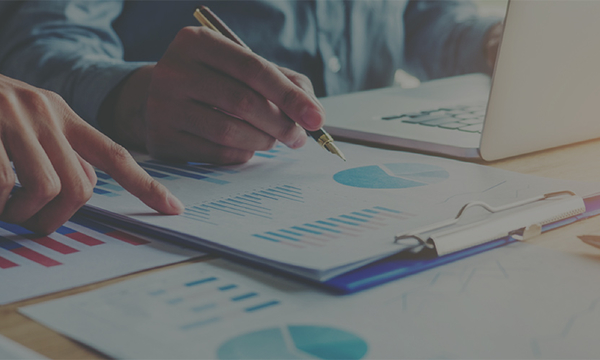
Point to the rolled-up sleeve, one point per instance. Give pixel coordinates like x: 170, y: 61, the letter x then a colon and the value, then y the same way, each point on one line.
x: 68, y: 47
x: 445, y: 38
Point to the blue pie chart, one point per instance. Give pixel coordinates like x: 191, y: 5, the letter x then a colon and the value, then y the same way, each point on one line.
x: 295, y: 342
x: 391, y: 176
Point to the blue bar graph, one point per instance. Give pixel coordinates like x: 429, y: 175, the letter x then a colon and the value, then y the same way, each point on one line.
x: 269, y: 156
x: 207, y: 300
x: 201, y: 281
x: 254, y: 204
x: 197, y: 169
x: 176, y: 170
x: 320, y: 232
x: 102, y: 175
x: 209, y: 173
x: 261, y: 306
x: 244, y: 296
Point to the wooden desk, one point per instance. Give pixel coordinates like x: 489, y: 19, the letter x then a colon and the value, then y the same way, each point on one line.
x: 574, y: 162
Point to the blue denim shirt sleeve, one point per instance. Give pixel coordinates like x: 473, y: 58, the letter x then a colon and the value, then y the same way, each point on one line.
x: 68, y: 47
x: 73, y: 47
x: 445, y: 38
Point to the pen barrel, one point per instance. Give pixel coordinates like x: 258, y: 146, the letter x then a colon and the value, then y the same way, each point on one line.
x: 324, y: 140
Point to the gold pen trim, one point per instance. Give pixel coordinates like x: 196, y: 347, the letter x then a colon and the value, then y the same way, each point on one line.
x: 204, y: 21
x: 326, y: 142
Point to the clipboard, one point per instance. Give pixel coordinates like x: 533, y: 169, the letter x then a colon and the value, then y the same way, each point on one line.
x: 404, y: 264
x: 415, y: 260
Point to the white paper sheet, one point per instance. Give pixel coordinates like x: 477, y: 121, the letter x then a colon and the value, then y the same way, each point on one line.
x: 308, y: 212
x: 516, y: 302
x: 78, y: 253
x: 10, y: 350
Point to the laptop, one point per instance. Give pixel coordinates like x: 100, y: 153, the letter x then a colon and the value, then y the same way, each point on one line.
x: 544, y: 93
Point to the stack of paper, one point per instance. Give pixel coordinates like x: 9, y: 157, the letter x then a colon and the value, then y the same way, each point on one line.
x: 308, y: 213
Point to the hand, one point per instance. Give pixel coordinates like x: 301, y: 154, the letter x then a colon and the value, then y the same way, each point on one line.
x: 492, y: 43
x: 211, y: 100
x: 50, y: 147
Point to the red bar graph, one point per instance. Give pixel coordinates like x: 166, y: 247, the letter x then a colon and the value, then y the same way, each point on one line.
x: 53, y: 244
x: 35, y: 256
x: 14, y: 243
x: 84, y: 239
x: 6, y: 264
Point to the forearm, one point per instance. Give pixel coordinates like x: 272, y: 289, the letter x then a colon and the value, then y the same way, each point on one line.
x: 68, y: 48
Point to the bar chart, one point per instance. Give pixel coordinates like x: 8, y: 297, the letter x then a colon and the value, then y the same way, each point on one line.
x: 183, y: 312
x: 171, y: 171
x: 164, y: 171
x: 206, y: 300
x: 320, y: 232
x: 255, y: 203
x: 14, y: 239
x: 79, y: 252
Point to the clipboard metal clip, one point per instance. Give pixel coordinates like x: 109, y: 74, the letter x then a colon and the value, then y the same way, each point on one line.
x: 446, y: 236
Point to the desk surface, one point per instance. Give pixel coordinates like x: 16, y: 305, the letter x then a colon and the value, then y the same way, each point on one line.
x: 574, y: 162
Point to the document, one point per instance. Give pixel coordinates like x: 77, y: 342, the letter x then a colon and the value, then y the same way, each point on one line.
x: 184, y: 300
x: 313, y: 215
x: 520, y: 301
x: 80, y: 252
x: 14, y: 351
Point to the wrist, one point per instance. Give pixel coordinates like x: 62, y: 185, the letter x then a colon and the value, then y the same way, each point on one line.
x: 122, y: 114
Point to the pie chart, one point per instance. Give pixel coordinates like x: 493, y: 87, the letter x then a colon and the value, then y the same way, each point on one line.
x: 295, y: 342
x: 391, y: 176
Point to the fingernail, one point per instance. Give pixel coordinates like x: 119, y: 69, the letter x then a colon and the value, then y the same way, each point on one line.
x: 175, y: 203
x: 312, y: 119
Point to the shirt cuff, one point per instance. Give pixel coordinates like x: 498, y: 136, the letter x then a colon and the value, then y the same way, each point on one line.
x: 96, y: 82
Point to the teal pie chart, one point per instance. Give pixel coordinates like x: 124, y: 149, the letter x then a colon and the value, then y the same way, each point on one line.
x: 295, y: 342
x: 392, y: 176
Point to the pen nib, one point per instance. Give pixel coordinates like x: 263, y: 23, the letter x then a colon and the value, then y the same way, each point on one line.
x: 334, y: 150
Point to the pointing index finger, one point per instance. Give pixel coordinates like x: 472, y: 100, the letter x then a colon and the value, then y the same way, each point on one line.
x: 110, y: 157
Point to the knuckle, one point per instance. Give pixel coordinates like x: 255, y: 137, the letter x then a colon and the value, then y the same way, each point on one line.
x: 301, y: 80
x: 189, y: 32
x: 150, y: 186
x: 36, y: 100
x: 47, y: 189
x: 45, y: 105
x: 255, y: 66
x: 290, y: 97
x: 227, y: 133
x: 80, y: 193
x: 243, y: 102
x: 7, y: 178
x: 52, y: 97
x: 118, y: 154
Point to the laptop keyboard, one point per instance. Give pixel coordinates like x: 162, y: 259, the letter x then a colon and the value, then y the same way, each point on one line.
x: 467, y: 118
